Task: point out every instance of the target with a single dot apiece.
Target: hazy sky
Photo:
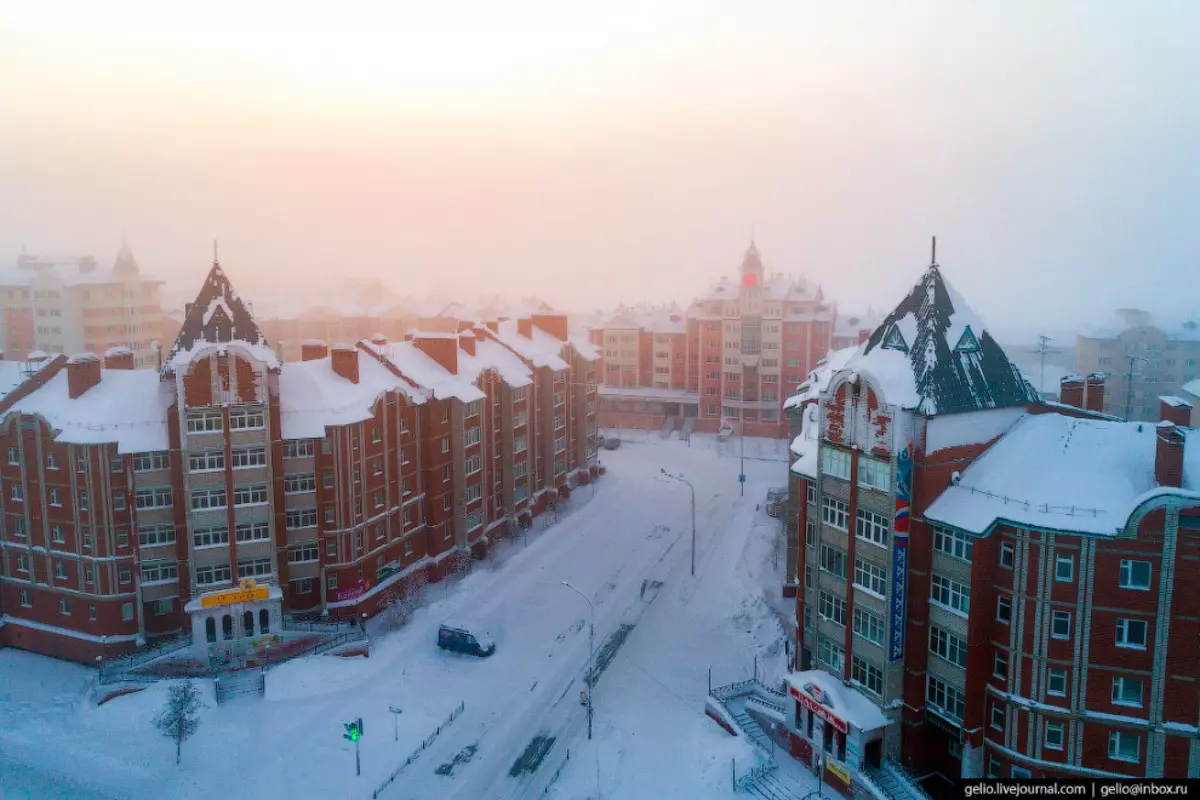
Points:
(621, 152)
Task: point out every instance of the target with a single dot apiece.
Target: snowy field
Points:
(658, 628)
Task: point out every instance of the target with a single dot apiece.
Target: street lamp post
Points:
(591, 652)
(681, 479)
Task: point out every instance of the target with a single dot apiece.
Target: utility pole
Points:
(1129, 385)
(591, 653)
(1043, 340)
(396, 720)
(691, 488)
(354, 732)
(742, 440)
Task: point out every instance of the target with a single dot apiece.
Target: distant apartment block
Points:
(76, 305)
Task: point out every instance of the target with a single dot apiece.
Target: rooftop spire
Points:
(933, 254)
(216, 261)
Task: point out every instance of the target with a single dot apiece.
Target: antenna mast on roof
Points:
(1043, 340)
(933, 255)
(215, 259)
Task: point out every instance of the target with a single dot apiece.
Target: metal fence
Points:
(415, 754)
(317, 626)
(118, 669)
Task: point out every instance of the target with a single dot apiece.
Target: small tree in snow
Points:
(402, 602)
(180, 718)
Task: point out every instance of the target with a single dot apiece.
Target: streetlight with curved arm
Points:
(591, 652)
(681, 479)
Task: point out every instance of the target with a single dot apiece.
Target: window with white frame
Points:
(254, 567)
(473, 435)
(953, 543)
(835, 513)
(473, 492)
(1054, 735)
(55, 497)
(519, 444)
(64, 605)
(1003, 609)
(16, 493)
(1007, 555)
(159, 571)
(158, 497)
(1056, 682)
(472, 465)
(243, 457)
(1064, 568)
(810, 492)
(997, 715)
(118, 501)
(51, 460)
(156, 535)
(252, 531)
(1000, 665)
(834, 561)
(872, 527)
(13, 456)
(1131, 633)
(874, 474)
(945, 699)
(206, 576)
(950, 593)
(303, 553)
(1124, 746)
(869, 676)
(298, 448)
(208, 498)
(560, 444)
(212, 536)
(60, 571)
(870, 577)
(246, 418)
(1060, 625)
(205, 422)
(1134, 574)
(473, 409)
(296, 518)
(206, 461)
(300, 483)
(831, 608)
(145, 462)
(520, 469)
(252, 495)
(56, 534)
(947, 646)
(869, 626)
(830, 654)
(475, 520)
(835, 463)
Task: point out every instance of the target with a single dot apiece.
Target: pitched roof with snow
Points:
(426, 372)
(219, 316)
(818, 379)
(128, 407)
(490, 354)
(844, 701)
(540, 348)
(934, 355)
(1192, 388)
(1061, 473)
(312, 396)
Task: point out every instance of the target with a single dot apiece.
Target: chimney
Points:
(36, 356)
(864, 334)
(1094, 394)
(493, 326)
(1168, 455)
(441, 348)
(1070, 391)
(345, 362)
(118, 358)
(525, 328)
(480, 334)
(408, 336)
(1175, 410)
(312, 349)
(379, 339)
(83, 372)
(463, 325)
(467, 343)
(553, 324)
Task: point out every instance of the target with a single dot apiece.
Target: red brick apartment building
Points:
(129, 494)
(733, 356)
(995, 574)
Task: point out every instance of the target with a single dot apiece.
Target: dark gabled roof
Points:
(955, 363)
(217, 316)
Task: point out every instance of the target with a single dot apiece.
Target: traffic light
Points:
(354, 730)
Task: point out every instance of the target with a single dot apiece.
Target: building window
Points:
(158, 571)
(1003, 609)
(560, 444)
(298, 448)
(296, 484)
(475, 520)
(445, 444)
(810, 493)
(124, 575)
(145, 462)
(835, 463)
(1124, 746)
(253, 495)
(16, 493)
(13, 456)
(945, 699)
(830, 654)
(254, 568)
(118, 501)
(1054, 736)
(831, 608)
(1056, 682)
(303, 553)
(1127, 692)
(1006, 555)
(473, 435)
(56, 534)
(51, 461)
(472, 465)
(206, 461)
(126, 612)
(244, 418)
(473, 492)
(951, 594)
(243, 457)
(205, 422)
(296, 518)
(64, 605)
(327, 479)
(947, 646)
(331, 582)
(870, 577)
(153, 498)
(215, 536)
(208, 498)
(1000, 666)
(520, 469)
(993, 769)
(1064, 569)
(833, 561)
(60, 571)
(869, 626)
(872, 527)
(835, 513)
(252, 531)
(998, 714)
(1060, 625)
(953, 543)
(1135, 574)
(874, 474)
(869, 676)
(156, 535)
(519, 444)
(810, 533)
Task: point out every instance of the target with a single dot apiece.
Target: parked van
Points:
(463, 638)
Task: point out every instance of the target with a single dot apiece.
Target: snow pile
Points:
(971, 427)
(1057, 472)
(845, 703)
(818, 379)
(807, 445)
(127, 408)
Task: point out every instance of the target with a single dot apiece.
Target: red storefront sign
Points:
(818, 709)
(341, 595)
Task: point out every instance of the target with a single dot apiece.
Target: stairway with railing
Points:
(895, 783)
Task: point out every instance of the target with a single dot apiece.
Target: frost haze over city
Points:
(623, 400)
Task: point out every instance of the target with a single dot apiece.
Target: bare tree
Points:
(180, 718)
(402, 601)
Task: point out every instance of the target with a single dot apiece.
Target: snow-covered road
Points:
(633, 533)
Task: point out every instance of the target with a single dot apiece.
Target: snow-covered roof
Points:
(117, 350)
(649, 393)
(818, 379)
(32, 270)
(806, 446)
(427, 373)
(586, 350)
(1058, 472)
(219, 316)
(128, 407)
(490, 354)
(970, 427)
(1192, 388)
(652, 319)
(540, 349)
(934, 355)
(1174, 402)
(848, 325)
(313, 397)
(843, 701)
(14, 373)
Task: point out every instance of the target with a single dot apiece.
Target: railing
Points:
(117, 669)
(317, 626)
(415, 754)
(232, 684)
(774, 708)
(329, 644)
(759, 772)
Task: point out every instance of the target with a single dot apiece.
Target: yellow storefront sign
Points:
(247, 591)
(838, 770)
